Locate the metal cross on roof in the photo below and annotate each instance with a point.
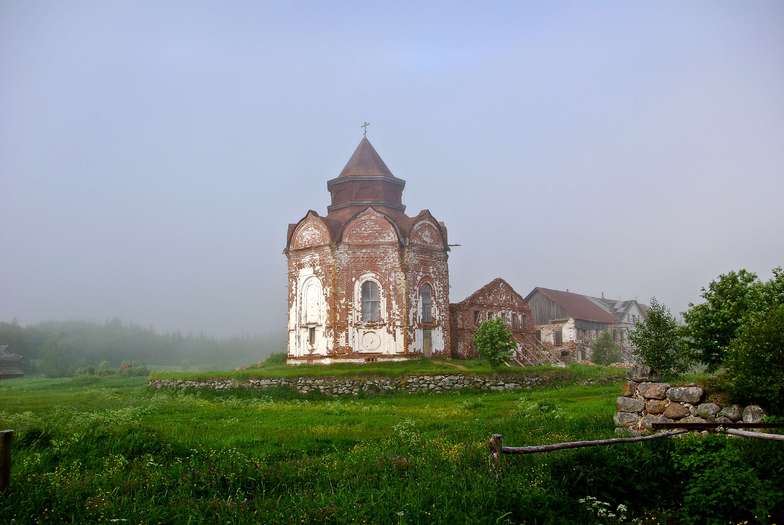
(364, 127)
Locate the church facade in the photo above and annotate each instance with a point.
(366, 281)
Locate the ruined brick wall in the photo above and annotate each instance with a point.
(426, 262)
(311, 262)
(496, 299)
(366, 236)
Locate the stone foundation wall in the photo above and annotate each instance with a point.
(644, 403)
(349, 386)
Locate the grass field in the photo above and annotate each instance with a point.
(401, 368)
(101, 449)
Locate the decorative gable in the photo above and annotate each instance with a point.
(310, 233)
(370, 227)
(425, 233)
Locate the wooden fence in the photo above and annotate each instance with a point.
(5, 459)
(735, 429)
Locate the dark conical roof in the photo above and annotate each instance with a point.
(365, 162)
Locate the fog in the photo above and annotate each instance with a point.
(153, 153)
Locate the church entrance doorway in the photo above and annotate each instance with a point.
(427, 342)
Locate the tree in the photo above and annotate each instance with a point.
(712, 325)
(755, 359)
(604, 351)
(658, 341)
(494, 342)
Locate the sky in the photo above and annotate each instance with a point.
(153, 153)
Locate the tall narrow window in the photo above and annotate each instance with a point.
(312, 336)
(426, 297)
(371, 303)
(558, 337)
(477, 317)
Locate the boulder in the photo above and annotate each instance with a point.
(625, 419)
(753, 414)
(675, 411)
(653, 390)
(733, 412)
(708, 410)
(655, 406)
(692, 419)
(629, 389)
(687, 394)
(629, 404)
(723, 420)
(640, 373)
(648, 421)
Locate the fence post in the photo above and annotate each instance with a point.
(495, 444)
(5, 459)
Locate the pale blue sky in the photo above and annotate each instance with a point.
(152, 153)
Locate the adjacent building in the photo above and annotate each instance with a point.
(569, 321)
(10, 364)
(495, 300)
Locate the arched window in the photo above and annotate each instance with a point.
(312, 302)
(371, 302)
(426, 298)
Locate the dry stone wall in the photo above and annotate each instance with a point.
(354, 386)
(644, 403)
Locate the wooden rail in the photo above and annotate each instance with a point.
(497, 448)
(5, 459)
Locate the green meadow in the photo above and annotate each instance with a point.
(110, 450)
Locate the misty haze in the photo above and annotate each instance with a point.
(340, 262)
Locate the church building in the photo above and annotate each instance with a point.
(366, 281)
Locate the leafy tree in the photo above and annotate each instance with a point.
(711, 326)
(658, 341)
(604, 351)
(755, 359)
(494, 342)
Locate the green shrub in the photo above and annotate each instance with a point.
(604, 351)
(277, 358)
(494, 342)
(132, 368)
(755, 360)
(658, 342)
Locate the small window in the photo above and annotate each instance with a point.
(558, 337)
(371, 303)
(312, 336)
(426, 297)
(477, 317)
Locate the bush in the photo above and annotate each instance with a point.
(713, 325)
(494, 342)
(604, 351)
(658, 342)
(277, 358)
(132, 368)
(755, 359)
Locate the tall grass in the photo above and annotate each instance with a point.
(110, 449)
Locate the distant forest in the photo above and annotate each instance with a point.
(59, 349)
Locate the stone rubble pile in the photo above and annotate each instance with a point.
(644, 403)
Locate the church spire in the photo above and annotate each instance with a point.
(365, 162)
(366, 181)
